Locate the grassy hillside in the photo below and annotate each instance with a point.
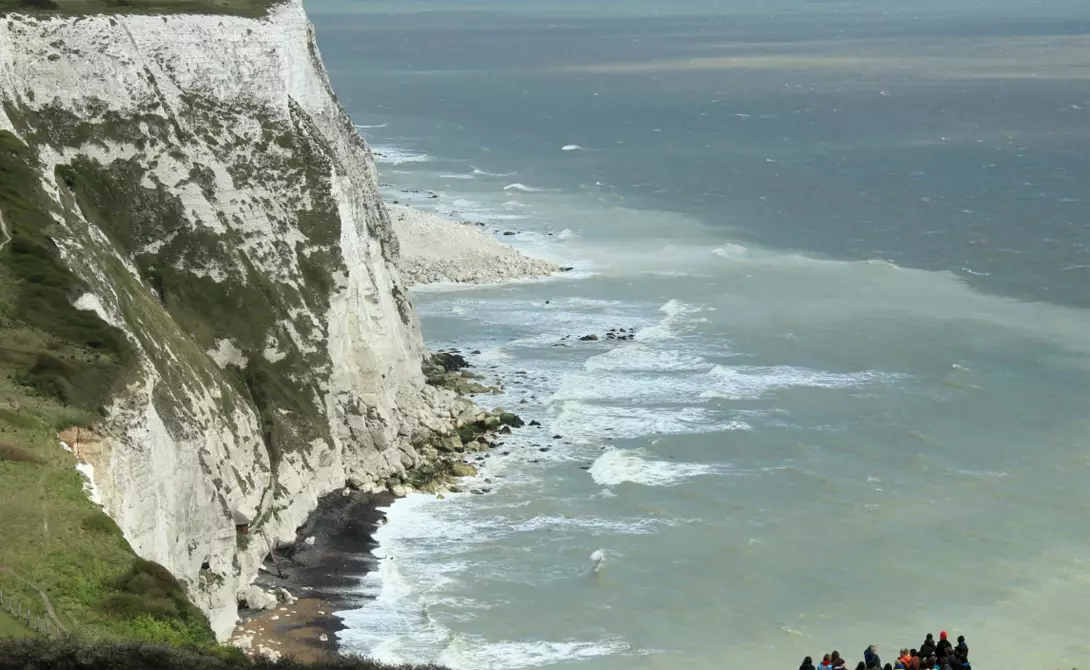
(252, 8)
(58, 366)
(66, 654)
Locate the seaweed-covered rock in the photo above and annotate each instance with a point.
(463, 470)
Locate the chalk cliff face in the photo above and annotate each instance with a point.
(220, 209)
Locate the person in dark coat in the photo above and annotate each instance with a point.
(944, 648)
(962, 648)
(870, 657)
(807, 664)
(928, 646)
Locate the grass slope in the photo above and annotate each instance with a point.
(69, 654)
(58, 367)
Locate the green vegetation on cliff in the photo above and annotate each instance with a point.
(69, 654)
(58, 366)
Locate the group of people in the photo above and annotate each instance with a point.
(941, 655)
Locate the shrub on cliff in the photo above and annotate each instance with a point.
(70, 654)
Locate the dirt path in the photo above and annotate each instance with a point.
(45, 599)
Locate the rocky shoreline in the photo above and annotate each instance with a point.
(289, 609)
(313, 577)
(435, 250)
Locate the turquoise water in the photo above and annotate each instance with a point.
(853, 242)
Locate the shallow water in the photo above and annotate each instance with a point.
(855, 255)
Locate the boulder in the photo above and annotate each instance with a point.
(450, 443)
(463, 470)
(258, 598)
(284, 596)
(244, 513)
(511, 419)
(589, 338)
(309, 541)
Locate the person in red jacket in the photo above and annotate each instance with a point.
(943, 648)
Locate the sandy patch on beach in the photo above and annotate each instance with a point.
(294, 630)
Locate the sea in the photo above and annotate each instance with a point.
(852, 239)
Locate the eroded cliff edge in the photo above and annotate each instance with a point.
(216, 212)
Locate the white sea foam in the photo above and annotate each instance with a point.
(753, 382)
(363, 127)
(672, 324)
(483, 173)
(471, 210)
(570, 147)
(616, 466)
(470, 652)
(523, 188)
(587, 422)
(730, 251)
(566, 234)
(392, 155)
(456, 176)
(597, 524)
(640, 357)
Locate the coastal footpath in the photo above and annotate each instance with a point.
(201, 311)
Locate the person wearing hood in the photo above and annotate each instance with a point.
(962, 648)
(944, 648)
(870, 657)
(928, 646)
(807, 664)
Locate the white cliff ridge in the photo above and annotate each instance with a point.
(222, 212)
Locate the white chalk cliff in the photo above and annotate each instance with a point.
(222, 212)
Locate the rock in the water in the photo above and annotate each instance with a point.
(323, 637)
(589, 338)
(284, 596)
(535, 423)
(463, 470)
(511, 419)
(450, 362)
(309, 541)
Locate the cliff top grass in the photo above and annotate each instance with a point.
(248, 8)
(68, 653)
